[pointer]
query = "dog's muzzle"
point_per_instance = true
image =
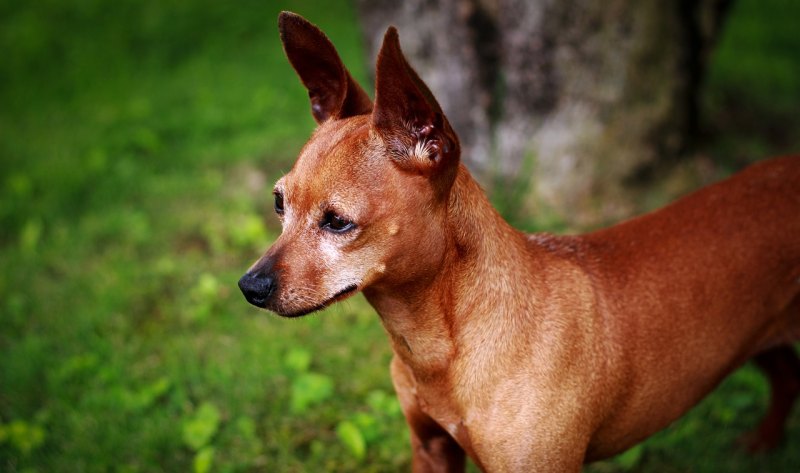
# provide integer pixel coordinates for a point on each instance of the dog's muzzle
(258, 287)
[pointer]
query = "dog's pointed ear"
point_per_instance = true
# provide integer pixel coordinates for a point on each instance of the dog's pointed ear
(407, 115)
(332, 90)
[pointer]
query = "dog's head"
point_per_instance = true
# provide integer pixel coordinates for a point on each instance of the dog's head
(364, 203)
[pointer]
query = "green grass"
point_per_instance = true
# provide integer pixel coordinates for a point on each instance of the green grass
(139, 142)
(138, 145)
(752, 93)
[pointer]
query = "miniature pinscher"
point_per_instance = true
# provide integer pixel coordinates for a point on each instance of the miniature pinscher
(525, 352)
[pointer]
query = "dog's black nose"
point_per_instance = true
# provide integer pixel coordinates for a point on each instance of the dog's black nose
(257, 288)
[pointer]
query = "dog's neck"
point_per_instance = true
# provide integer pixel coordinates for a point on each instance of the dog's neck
(425, 320)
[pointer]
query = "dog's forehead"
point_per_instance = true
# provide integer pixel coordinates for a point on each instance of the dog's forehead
(335, 160)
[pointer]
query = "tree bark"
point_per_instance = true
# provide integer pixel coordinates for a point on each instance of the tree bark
(570, 104)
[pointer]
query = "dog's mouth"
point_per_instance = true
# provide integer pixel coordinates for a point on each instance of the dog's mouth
(341, 295)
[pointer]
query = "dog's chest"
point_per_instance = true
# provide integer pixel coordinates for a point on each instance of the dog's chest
(436, 401)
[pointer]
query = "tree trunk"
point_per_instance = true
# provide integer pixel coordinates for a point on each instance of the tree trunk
(569, 103)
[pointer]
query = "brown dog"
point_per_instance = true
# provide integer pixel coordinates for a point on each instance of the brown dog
(527, 352)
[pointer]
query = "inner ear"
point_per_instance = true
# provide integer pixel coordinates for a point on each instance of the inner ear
(424, 142)
(406, 113)
(429, 143)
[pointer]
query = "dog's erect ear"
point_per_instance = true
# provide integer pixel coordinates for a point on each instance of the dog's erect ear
(333, 92)
(407, 115)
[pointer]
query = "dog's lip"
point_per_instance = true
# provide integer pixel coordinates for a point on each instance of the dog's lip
(343, 294)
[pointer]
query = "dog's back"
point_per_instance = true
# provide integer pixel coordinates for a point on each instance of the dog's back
(709, 281)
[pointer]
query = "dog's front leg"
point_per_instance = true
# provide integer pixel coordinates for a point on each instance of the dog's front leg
(433, 448)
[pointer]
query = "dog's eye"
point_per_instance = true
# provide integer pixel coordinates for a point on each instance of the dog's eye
(278, 203)
(335, 223)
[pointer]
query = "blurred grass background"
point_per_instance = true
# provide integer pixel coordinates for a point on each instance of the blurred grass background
(139, 141)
